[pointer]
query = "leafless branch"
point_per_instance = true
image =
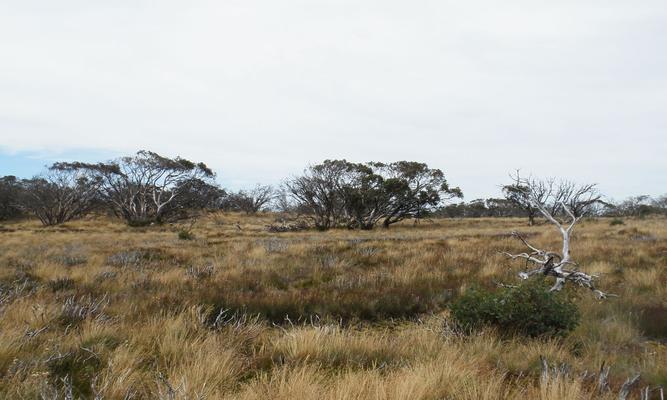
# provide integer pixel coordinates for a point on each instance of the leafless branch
(551, 263)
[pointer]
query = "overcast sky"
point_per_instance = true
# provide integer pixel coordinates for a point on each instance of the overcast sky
(259, 89)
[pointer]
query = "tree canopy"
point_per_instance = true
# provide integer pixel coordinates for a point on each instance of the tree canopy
(361, 195)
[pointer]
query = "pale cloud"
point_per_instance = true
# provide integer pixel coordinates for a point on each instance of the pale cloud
(258, 89)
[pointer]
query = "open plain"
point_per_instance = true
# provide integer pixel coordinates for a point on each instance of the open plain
(108, 311)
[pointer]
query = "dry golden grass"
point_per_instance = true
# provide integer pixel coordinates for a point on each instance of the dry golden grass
(132, 312)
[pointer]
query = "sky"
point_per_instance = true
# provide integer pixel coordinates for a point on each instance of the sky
(258, 89)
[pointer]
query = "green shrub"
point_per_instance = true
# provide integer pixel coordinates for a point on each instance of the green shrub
(185, 235)
(616, 221)
(139, 223)
(529, 309)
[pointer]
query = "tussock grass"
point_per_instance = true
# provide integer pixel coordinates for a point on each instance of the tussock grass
(248, 314)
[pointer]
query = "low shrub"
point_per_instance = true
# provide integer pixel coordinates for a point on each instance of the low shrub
(185, 235)
(200, 272)
(128, 258)
(529, 310)
(77, 309)
(616, 221)
(303, 300)
(141, 258)
(60, 284)
(288, 225)
(71, 261)
(139, 223)
(653, 321)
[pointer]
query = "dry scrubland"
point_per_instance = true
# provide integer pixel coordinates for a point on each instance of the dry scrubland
(132, 311)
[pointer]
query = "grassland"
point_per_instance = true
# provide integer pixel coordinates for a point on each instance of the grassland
(240, 313)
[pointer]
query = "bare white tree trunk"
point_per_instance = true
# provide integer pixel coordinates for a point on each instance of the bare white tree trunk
(551, 263)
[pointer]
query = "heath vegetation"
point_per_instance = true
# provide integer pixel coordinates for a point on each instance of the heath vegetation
(141, 278)
(344, 314)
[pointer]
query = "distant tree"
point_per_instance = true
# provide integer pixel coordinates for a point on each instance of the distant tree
(317, 192)
(637, 206)
(660, 204)
(502, 208)
(481, 208)
(456, 210)
(284, 203)
(195, 195)
(10, 189)
(476, 208)
(413, 189)
(144, 187)
(250, 201)
(60, 195)
(365, 197)
(517, 193)
(341, 193)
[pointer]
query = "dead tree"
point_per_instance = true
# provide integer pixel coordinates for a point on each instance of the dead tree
(580, 199)
(551, 263)
(556, 371)
(523, 193)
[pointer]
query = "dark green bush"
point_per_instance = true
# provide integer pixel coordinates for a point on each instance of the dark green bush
(616, 221)
(185, 235)
(529, 310)
(139, 223)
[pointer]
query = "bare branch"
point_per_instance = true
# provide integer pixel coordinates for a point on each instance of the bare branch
(572, 200)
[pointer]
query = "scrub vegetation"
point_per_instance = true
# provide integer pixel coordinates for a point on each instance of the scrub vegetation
(95, 308)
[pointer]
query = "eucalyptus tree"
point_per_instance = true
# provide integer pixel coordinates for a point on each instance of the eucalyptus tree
(194, 195)
(519, 194)
(250, 201)
(142, 188)
(61, 194)
(413, 190)
(317, 192)
(10, 189)
(355, 195)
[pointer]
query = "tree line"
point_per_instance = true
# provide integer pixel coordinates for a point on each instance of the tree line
(635, 206)
(149, 188)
